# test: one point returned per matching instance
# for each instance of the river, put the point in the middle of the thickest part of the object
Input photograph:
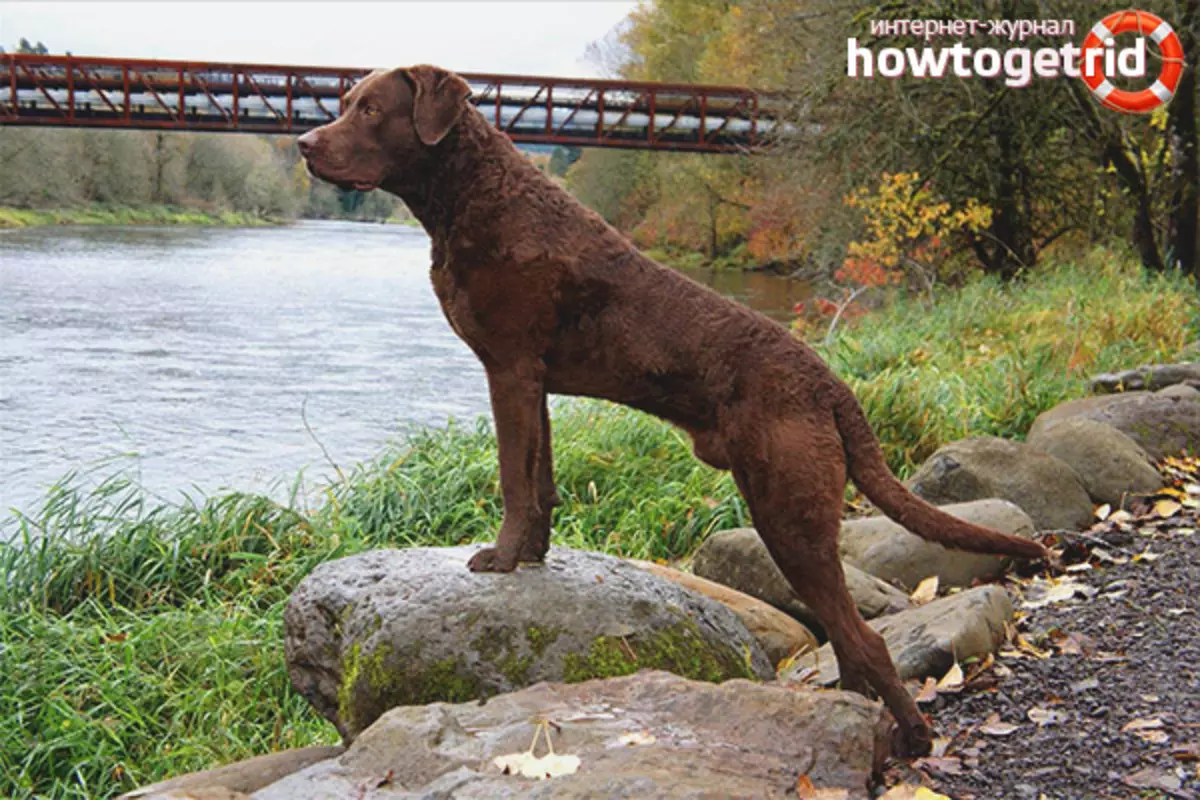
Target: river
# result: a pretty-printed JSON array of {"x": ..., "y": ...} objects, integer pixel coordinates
[{"x": 193, "y": 356}]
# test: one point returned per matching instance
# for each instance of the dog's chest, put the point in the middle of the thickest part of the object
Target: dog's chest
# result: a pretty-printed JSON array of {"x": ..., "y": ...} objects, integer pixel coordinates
[{"x": 455, "y": 302}]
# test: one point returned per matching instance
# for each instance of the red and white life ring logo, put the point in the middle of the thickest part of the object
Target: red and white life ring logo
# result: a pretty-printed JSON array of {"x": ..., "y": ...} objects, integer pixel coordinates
[{"x": 1092, "y": 68}]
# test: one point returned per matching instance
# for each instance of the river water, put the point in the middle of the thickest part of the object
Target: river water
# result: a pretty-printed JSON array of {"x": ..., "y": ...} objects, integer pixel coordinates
[{"x": 192, "y": 357}]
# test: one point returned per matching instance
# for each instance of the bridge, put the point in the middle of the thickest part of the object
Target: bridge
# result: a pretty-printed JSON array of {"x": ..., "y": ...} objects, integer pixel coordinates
[{"x": 73, "y": 91}]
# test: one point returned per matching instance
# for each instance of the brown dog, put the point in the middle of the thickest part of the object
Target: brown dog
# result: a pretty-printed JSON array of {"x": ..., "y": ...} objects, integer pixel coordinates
[{"x": 553, "y": 300}]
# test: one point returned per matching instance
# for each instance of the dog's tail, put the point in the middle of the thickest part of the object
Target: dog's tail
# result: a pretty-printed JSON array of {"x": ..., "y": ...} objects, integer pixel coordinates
[{"x": 866, "y": 466}]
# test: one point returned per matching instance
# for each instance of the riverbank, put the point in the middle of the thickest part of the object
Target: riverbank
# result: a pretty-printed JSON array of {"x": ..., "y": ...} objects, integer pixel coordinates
[
  {"x": 142, "y": 639},
  {"x": 103, "y": 214}
]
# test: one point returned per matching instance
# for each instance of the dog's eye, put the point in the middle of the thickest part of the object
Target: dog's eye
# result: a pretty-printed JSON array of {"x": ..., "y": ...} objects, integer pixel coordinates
[{"x": 371, "y": 110}]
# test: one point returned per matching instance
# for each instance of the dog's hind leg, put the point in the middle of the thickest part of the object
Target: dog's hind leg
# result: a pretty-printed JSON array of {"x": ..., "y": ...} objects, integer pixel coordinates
[{"x": 793, "y": 478}]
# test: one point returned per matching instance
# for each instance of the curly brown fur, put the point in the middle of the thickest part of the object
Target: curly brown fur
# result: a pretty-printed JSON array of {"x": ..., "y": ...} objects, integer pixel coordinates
[{"x": 555, "y": 301}]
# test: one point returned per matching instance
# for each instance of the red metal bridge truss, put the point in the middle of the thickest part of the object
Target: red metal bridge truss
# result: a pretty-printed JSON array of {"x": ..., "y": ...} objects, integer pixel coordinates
[{"x": 74, "y": 91}]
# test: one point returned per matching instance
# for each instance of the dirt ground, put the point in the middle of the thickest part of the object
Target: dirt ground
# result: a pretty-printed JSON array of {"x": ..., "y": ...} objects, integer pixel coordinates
[{"x": 1097, "y": 692}]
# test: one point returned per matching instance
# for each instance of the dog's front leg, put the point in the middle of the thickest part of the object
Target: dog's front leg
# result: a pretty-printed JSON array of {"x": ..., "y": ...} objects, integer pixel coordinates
[{"x": 518, "y": 394}]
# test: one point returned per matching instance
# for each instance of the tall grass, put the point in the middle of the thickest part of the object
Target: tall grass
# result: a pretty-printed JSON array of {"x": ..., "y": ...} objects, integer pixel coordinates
[
  {"x": 140, "y": 639},
  {"x": 991, "y": 357}
]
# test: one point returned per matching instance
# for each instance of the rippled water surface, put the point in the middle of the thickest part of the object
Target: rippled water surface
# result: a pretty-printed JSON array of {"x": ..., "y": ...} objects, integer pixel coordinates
[{"x": 197, "y": 349}]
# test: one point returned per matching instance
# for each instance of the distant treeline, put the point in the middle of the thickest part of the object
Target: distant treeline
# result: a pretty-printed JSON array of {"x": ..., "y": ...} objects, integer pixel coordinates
[
  {"x": 215, "y": 172},
  {"x": 58, "y": 168}
]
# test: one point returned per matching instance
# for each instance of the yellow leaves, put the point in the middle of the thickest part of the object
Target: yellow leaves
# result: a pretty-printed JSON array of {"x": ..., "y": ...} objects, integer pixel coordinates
[
  {"x": 953, "y": 680},
  {"x": 907, "y": 222},
  {"x": 1167, "y": 507},
  {"x": 925, "y": 592}
]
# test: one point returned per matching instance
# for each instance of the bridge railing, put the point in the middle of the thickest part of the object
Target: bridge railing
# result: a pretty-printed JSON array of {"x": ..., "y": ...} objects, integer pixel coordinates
[{"x": 77, "y": 91}]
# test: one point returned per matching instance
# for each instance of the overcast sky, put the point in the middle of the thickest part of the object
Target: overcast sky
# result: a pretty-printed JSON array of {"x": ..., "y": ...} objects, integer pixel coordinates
[{"x": 547, "y": 38}]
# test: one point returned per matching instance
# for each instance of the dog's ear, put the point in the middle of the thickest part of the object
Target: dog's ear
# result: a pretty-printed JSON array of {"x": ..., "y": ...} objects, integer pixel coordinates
[{"x": 438, "y": 101}]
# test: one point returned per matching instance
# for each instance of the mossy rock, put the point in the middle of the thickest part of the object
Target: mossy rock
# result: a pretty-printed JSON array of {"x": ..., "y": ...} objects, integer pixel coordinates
[{"x": 410, "y": 627}]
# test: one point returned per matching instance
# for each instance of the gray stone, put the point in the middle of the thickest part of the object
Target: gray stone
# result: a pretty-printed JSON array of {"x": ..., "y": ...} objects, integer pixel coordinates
[
  {"x": 1110, "y": 465},
  {"x": 925, "y": 641},
  {"x": 648, "y": 735},
  {"x": 234, "y": 780},
  {"x": 780, "y": 635},
  {"x": 886, "y": 550},
  {"x": 408, "y": 627},
  {"x": 1162, "y": 425},
  {"x": 1185, "y": 390},
  {"x": 739, "y": 559},
  {"x": 1148, "y": 376},
  {"x": 1043, "y": 487}
]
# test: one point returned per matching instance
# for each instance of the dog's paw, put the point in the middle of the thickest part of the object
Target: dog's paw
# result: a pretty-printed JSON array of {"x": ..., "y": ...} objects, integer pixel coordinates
[
  {"x": 915, "y": 743},
  {"x": 490, "y": 560}
]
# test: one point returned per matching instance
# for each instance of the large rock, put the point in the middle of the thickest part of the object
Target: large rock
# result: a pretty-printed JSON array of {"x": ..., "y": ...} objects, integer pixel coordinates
[
  {"x": 408, "y": 627},
  {"x": 1162, "y": 425},
  {"x": 888, "y": 551},
  {"x": 1110, "y": 465},
  {"x": 1185, "y": 390},
  {"x": 739, "y": 559},
  {"x": 1149, "y": 376},
  {"x": 780, "y": 635},
  {"x": 648, "y": 735},
  {"x": 234, "y": 780},
  {"x": 925, "y": 641},
  {"x": 1043, "y": 487}
]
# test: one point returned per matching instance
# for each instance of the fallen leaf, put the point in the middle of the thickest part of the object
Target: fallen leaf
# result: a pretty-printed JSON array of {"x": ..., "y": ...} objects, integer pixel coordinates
[
  {"x": 1103, "y": 555},
  {"x": 1085, "y": 685},
  {"x": 945, "y": 765},
  {"x": 1187, "y": 752},
  {"x": 637, "y": 737},
  {"x": 807, "y": 791},
  {"x": 928, "y": 692},
  {"x": 1142, "y": 724},
  {"x": 1103, "y": 511},
  {"x": 904, "y": 791},
  {"x": 1167, "y": 507},
  {"x": 550, "y": 765},
  {"x": 952, "y": 681},
  {"x": 994, "y": 727},
  {"x": 940, "y": 745},
  {"x": 1040, "y": 593},
  {"x": 1151, "y": 778},
  {"x": 531, "y": 766},
  {"x": 1146, "y": 556},
  {"x": 925, "y": 592},
  {"x": 1044, "y": 717},
  {"x": 1025, "y": 646}
]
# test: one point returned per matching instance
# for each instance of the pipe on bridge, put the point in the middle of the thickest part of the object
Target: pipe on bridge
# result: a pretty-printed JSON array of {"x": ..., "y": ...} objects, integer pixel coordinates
[{"x": 74, "y": 91}]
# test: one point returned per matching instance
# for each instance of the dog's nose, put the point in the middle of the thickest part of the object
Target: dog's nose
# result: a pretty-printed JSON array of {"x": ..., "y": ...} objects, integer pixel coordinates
[{"x": 307, "y": 142}]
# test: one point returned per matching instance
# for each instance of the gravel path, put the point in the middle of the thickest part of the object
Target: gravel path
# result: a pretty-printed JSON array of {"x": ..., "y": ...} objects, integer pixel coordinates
[{"x": 1097, "y": 694}]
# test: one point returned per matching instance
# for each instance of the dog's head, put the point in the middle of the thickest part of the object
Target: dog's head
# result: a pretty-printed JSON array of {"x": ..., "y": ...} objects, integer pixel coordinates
[{"x": 389, "y": 123}]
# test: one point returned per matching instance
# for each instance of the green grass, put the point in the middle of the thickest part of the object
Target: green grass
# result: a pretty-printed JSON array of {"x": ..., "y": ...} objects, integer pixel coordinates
[
  {"x": 106, "y": 214},
  {"x": 139, "y": 640},
  {"x": 987, "y": 359}
]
